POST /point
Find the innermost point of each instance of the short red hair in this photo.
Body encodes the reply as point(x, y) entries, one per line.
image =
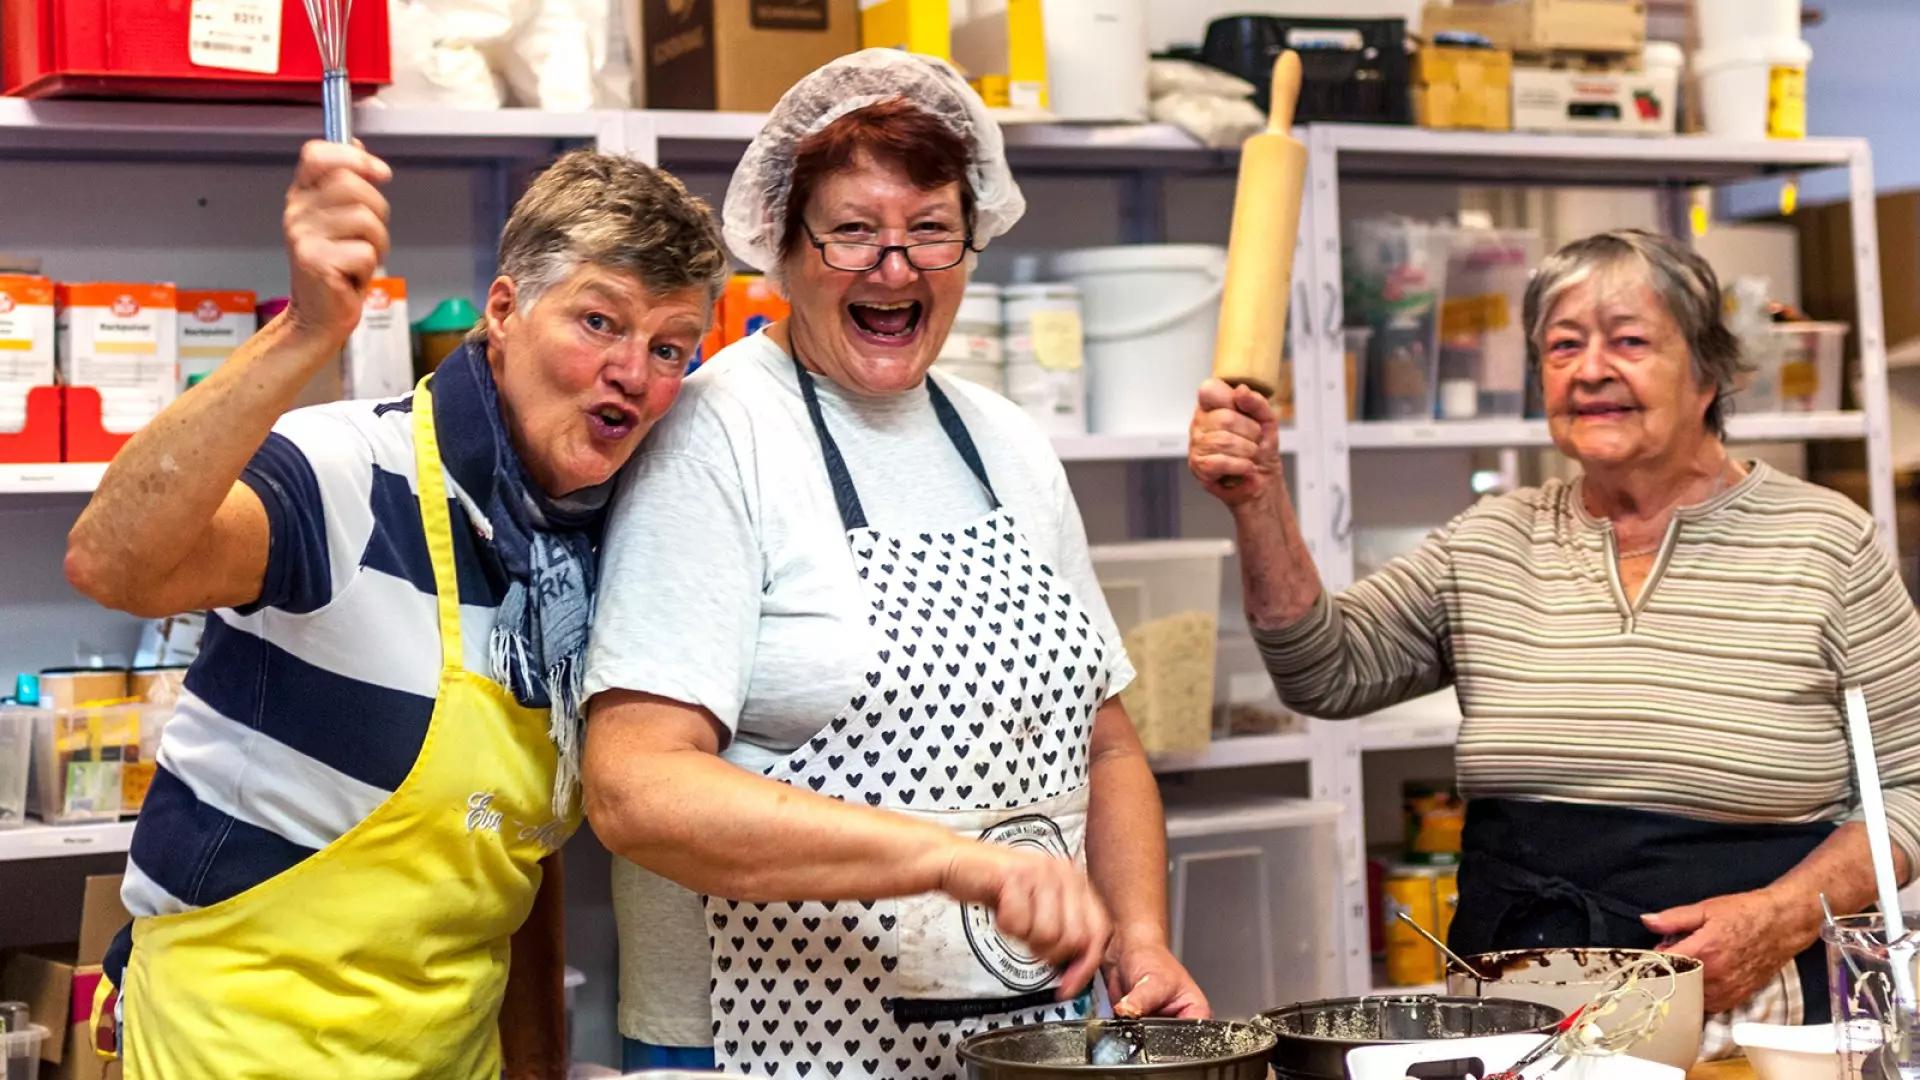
point(893, 131)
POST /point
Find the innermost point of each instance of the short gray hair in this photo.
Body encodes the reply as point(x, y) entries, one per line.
point(1683, 280)
point(590, 208)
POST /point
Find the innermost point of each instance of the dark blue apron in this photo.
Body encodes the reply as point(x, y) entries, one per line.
point(1551, 875)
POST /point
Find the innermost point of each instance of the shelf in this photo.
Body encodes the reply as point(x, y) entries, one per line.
point(1424, 723)
point(1467, 434)
point(146, 131)
point(1379, 151)
point(1136, 447)
point(52, 479)
point(36, 841)
point(1241, 751)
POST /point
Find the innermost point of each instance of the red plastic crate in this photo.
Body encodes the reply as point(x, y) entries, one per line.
point(138, 48)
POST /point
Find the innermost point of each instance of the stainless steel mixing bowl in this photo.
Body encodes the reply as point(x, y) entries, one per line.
point(1176, 1050)
point(1312, 1038)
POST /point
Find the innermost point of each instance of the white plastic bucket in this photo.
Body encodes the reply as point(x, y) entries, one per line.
point(1046, 371)
point(1729, 23)
point(1152, 312)
point(1097, 59)
point(1755, 90)
point(975, 348)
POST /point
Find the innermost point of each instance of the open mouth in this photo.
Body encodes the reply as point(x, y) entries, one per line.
point(612, 421)
point(895, 323)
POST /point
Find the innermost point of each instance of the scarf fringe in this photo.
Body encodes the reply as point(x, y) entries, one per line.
point(566, 726)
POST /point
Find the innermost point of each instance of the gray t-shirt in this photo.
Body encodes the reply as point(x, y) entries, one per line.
point(727, 583)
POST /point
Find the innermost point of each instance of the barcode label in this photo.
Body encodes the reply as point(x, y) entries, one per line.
point(236, 35)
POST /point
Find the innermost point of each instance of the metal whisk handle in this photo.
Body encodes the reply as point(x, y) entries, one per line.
point(336, 99)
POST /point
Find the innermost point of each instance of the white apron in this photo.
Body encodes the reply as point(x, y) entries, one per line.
point(976, 714)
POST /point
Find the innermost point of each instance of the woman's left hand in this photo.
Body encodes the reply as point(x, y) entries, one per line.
point(1146, 980)
point(1742, 940)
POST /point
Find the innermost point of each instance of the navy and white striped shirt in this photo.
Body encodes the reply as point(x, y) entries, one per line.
point(306, 709)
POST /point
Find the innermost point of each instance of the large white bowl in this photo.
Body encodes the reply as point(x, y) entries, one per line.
point(1569, 978)
point(1785, 1052)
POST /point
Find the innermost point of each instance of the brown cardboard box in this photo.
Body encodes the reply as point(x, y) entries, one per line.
point(63, 688)
point(1538, 26)
point(735, 55)
point(58, 986)
point(1826, 264)
point(1463, 88)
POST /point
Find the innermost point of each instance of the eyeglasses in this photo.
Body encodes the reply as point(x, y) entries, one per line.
point(858, 256)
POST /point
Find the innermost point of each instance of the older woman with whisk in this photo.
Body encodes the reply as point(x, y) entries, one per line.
point(1650, 658)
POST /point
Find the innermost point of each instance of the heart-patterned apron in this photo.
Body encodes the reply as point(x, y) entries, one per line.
point(976, 714)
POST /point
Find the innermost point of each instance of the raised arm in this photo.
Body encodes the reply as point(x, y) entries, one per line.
point(1377, 644)
point(171, 528)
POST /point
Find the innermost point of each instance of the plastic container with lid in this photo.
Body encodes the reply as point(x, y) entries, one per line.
point(1483, 346)
point(1151, 314)
point(975, 348)
point(1810, 365)
point(20, 1051)
point(437, 336)
point(1046, 366)
point(16, 762)
point(1251, 894)
point(1724, 23)
point(1754, 89)
point(1165, 599)
point(1396, 279)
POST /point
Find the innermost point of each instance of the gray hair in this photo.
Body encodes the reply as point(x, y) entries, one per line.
point(613, 212)
point(1683, 280)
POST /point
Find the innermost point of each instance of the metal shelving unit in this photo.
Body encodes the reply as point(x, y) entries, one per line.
point(1321, 440)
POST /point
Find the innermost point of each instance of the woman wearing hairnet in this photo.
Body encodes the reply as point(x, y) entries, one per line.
point(855, 705)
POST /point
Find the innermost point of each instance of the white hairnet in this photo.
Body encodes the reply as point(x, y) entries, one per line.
point(755, 215)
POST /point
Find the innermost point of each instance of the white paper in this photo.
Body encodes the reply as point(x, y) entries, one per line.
point(238, 35)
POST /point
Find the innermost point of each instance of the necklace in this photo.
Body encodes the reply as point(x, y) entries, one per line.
point(1719, 483)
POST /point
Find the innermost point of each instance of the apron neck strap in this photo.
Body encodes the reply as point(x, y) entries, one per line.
point(852, 515)
point(437, 524)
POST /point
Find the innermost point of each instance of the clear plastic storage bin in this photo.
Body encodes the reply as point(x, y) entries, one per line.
point(1483, 346)
point(1396, 277)
point(1810, 365)
point(1251, 892)
point(1165, 598)
point(16, 763)
point(81, 760)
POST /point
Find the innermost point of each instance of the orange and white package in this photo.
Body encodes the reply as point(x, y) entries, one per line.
point(123, 340)
point(213, 323)
point(26, 345)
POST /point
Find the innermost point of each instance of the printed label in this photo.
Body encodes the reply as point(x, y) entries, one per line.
point(788, 14)
point(1057, 337)
point(237, 35)
point(1006, 958)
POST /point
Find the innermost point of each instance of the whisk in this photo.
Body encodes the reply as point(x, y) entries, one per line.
point(329, 19)
point(1629, 997)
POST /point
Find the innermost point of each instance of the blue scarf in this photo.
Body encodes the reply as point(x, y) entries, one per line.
point(545, 546)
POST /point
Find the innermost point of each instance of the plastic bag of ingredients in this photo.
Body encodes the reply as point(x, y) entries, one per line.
point(568, 56)
point(1220, 123)
point(1166, 77)
point(439, 56)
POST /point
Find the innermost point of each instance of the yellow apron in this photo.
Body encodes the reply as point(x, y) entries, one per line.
point(385, 954)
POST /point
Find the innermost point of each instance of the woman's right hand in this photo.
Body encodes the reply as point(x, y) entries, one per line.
point(1233, 445)
point(1044, 902)
point(336, 230)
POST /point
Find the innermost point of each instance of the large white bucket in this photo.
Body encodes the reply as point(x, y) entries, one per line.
point(1728, 23)
point(1151, 314)
point(1097, 59)
point(1755, 90)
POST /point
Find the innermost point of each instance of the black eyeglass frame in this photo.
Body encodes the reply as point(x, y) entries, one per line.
point(905, 250)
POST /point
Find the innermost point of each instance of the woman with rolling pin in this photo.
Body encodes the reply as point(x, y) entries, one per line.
point(1649, 657)
point(855, 713)
point(339, 868)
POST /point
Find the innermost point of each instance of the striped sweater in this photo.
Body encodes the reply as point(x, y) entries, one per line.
point(1716, 695)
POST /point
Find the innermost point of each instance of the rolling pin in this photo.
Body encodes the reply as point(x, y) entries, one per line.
point(1266, 219)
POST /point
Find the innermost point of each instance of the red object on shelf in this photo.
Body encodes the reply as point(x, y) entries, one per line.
point(85, 439)
point(139, 48)
point(37, 443)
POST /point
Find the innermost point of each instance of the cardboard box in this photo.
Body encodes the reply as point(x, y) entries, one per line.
point(1455, 87)
point(213, 323)
point(1828, 283)
point(922, 26)
point(123, 340)
point(64, 688)
point(1603, 102)
point(58, 986)
point(26, 345)
point(1005, 55)
point(734, 55)
point(1539, 26)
